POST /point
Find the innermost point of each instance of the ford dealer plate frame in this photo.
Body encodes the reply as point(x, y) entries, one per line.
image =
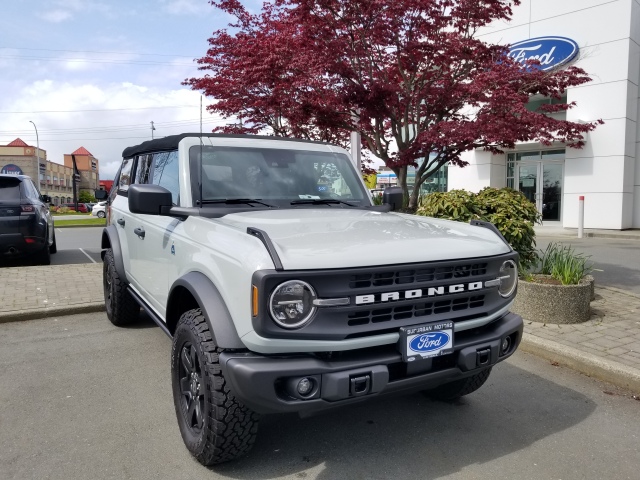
point(425, 341)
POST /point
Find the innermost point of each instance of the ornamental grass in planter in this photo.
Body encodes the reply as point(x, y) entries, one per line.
point(560, 292)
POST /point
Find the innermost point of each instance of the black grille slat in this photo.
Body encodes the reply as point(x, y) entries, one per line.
point(420, 309)
point(406, 277)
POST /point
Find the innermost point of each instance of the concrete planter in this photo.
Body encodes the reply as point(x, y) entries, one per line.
point(541, 302)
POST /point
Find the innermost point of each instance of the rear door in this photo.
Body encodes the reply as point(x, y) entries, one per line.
point(9, 205)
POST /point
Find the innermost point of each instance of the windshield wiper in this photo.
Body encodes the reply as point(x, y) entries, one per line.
point(232, 201)
point(320, 201)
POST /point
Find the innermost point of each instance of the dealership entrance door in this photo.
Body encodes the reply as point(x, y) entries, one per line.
point(539, 176)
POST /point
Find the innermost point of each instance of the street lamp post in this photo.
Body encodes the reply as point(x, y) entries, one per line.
point(37, 145)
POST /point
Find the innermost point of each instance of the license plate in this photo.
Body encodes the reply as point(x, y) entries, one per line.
point(426, 341)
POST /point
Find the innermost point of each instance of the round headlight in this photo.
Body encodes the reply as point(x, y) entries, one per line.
point(508, 278)
point(291, 304)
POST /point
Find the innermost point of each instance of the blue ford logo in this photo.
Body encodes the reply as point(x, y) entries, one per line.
point(428, 342)
point(551, 52)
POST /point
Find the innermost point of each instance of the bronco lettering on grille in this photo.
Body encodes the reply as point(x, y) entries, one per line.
point(418, 293)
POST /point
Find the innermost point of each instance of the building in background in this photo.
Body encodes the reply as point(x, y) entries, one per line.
point(607, 170)
point(55, 180)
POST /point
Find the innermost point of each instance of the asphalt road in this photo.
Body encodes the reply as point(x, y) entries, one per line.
point(616, 262)
point(80, 398)
point(77, 245)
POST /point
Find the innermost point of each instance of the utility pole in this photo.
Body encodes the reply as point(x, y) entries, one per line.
point(152, 129)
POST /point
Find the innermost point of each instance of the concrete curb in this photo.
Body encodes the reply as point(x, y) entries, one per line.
point(39, 313)
point(620, 291)
point(591, 365)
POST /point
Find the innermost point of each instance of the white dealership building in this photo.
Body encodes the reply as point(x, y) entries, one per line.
point(605, 35)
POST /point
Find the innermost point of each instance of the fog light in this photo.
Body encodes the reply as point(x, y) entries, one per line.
point(304, 386)
point(506, 344)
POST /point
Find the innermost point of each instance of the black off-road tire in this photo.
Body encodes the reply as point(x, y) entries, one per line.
point(454, 390)
point(214, 425)
point(54, 247)
point(121, 308)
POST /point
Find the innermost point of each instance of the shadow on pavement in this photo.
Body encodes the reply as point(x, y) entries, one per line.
point(413, 437)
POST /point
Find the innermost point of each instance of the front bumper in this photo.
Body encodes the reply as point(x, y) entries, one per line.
point(264, 383)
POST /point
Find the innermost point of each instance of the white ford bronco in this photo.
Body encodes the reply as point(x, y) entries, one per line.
point(285, 289)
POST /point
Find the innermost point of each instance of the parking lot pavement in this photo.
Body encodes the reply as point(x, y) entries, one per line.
point(80, 398)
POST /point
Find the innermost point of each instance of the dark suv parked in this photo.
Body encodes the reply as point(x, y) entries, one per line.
point(26, 226)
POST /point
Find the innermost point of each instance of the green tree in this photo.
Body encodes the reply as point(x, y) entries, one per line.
point(86, 197)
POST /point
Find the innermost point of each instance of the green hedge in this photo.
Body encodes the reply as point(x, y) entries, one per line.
point(507, 209)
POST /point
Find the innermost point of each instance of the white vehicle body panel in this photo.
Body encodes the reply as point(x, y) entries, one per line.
point(332, 237)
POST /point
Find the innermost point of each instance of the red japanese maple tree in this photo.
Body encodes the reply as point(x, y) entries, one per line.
point(411, 76)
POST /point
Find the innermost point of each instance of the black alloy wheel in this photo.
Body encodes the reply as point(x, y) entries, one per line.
point(191, 388)
point(215, 426)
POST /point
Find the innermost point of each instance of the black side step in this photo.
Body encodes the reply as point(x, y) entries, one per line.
point(151, 313)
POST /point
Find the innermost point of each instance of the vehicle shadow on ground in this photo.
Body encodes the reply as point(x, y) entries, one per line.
point(414, 437)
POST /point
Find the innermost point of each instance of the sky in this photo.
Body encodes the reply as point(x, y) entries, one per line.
point(96, 73)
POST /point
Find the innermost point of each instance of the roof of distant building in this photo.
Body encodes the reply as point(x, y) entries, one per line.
point(82, 151)
point(17, 143)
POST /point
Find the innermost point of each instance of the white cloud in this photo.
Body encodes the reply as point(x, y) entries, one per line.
point(55, 16)
point(103, 119)
point(186, 7)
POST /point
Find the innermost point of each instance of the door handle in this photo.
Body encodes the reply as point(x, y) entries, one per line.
point(121, 222)
point(139, 231)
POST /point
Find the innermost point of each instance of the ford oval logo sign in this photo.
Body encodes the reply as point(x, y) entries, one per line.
point(428, 342)
point(551, 52)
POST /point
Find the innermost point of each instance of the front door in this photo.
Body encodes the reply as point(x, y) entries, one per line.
point(539, 178)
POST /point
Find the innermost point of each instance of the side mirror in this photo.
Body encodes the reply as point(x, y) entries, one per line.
point(101, 194)
point(45, 198)
point(393, 196)
point(148, 199)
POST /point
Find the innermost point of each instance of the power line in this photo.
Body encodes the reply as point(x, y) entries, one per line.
point(104, 109)
point(110, 128)
point(86, 60)
point(95, 51)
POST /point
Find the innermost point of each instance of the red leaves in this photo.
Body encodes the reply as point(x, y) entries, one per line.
point(408, 74)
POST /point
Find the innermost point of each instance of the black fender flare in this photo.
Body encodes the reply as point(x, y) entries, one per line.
point(213, 307)
point(110, 240)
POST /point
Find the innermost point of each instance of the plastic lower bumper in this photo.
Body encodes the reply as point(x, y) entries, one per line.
point(15, 244)
point(269, 384)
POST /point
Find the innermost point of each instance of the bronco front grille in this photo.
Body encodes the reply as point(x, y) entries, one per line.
point(381, 299)
point(404, 277)
point(420, 309)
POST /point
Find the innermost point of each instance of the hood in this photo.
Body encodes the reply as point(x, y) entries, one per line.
point(313, 238)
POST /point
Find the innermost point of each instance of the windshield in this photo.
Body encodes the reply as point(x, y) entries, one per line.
point(277, 177)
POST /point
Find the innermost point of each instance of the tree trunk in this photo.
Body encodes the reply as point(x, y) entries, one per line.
point(401, 173)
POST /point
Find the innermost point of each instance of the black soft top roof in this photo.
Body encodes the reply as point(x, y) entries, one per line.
point(171, 142)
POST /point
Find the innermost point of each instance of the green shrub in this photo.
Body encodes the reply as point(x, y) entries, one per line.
point(564, 264)
point(509, 210)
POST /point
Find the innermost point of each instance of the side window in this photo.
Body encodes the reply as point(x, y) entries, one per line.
point(143, 169)
point(166, 173)
point(124, 178)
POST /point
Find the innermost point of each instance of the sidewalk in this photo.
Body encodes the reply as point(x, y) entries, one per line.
point(553, 231)
point(606, 347)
